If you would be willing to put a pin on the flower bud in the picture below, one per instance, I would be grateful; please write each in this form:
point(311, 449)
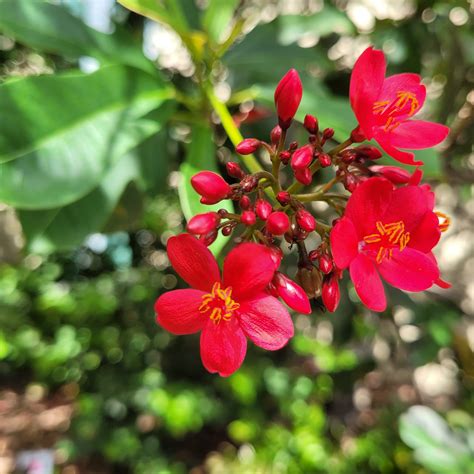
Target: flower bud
point(275, 135)
point(210, 186)
point(249, 183)
point(328, 133)
point(283, 197)
point(331, 294)
point(278, 223)
point(291, 293)
point(325, 264)
point(351, 182)
point(234, 170)
point(202, 224)
point(247, 146)
point(368, 152)
point(305, 220)
point(314, 255)
point(285, 157)
point(348, 156)
point(357, 135)
point(393, 173)
point(324, 160)
point(288, 95)
point(302, 157)
point(310, 281)
point(245, 203)
point(209, 238)
point(293, 146)
point(311, 124)
point(304, 176)
point(227, 230)
point(263, 209)
point(248, 218)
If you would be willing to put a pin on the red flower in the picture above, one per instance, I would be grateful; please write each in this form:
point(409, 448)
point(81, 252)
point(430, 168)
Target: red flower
point(211, 186)
point(389, 232)
point(226, 310)
point(287, 96)
point(383, 107)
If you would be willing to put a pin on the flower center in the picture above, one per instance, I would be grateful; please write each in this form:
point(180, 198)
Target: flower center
point(386, 238)
point(218, 304)
point(405, 103)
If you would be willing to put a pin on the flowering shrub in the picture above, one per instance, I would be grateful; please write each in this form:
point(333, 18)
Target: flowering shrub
point(384, 224)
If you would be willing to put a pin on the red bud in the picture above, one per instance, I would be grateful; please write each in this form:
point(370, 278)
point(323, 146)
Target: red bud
point(368, 152)
point(283, 197)
point(305, 220)
point(325, 264)
point(209, 238)
point(203, 223)
point(314, 255)
point(351, 182)
point(348, 156)
point(311, 124)
point(234, 170)
point(324, 160)
point(248, 218)
point(328, 133)
point(275, 135)
point(357, 135)
point(285, 157)
point(331, 294)
point(210, 186)
point(249, 183)
point(302, 157)
point(245, 202)
point(288, 95)
point(291, 293)
point(227, 230)
point(263, 209)
point(304, 176)
point(393, 173)
point(247, 146)
point(278, 223)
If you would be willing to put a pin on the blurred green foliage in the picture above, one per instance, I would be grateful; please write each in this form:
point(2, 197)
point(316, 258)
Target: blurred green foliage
point(86, 159)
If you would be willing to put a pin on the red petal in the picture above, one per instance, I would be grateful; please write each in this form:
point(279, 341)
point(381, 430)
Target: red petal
point(405, 82)
point(418, 134)
point(367, 283)
point(266, 322)
point(427, 234)
point(409, 205)
point(344, 243)
point(248, 269)
point(366, 83)
point(368, 203)
point(193, 261)
point(409, 270)
point(177, 311)
point(384, 140)
point(223, 347)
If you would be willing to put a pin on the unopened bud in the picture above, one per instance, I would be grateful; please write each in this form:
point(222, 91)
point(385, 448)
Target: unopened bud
point(203, 223)
point(393, 173)
point(331, 294)
point(287, 96)
point(275, 135)
point(285, 157)
point(314, 255)
point(291, 293)
point(245, 203)
point(351, 182)
point(278, 223)
point(209, 238)
point(293, 146)
point(348, 156)
point(283, 197)
point(325, 264)
point(310, 280)
point(210, 186)
point(368, 152)
point(311, 124)
point(234, 170)
point(302, 157)
point(304, 176)
point(324, 160)
point(248, 218)
point(248, 146)
point(305, 220)
point(227, 230)
point(328, 133)
point(263, 209)
point(249, 183)
point(357, 135)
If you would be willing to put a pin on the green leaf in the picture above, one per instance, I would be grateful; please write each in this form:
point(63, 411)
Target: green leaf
point(51, 28)
point(153, 9)
point(201, 156)
point(66, 228)
point(63, 132)
point(217, 17)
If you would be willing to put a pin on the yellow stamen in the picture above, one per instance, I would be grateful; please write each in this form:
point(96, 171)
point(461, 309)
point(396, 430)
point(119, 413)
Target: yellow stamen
point(218, 304)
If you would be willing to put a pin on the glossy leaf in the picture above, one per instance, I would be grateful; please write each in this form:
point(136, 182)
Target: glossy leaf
point(201, 156)
point(64, 131)
point(53, 29)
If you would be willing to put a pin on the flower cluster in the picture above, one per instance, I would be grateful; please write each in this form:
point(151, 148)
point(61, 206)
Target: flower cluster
point(384, 224)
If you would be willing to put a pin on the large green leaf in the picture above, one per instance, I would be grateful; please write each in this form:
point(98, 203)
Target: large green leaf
point(66, 228)
point(51, 28)
point(63, 132)
point(201, 156)
point(217, 17)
